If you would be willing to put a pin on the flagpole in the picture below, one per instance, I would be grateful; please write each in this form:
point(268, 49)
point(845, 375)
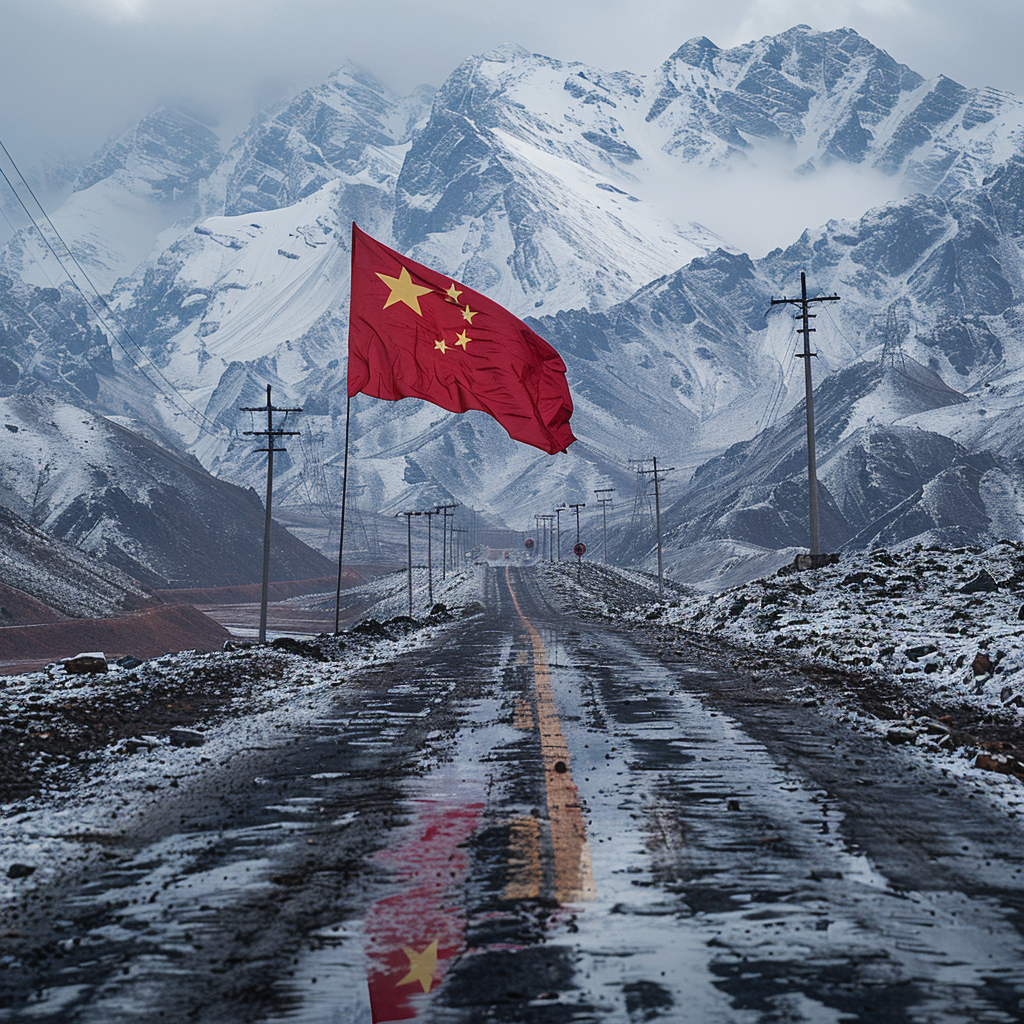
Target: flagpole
point(344, 471)
point(344, 491)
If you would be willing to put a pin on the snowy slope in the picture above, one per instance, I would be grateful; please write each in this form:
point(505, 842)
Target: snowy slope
point(138, 186)
point(155, 514)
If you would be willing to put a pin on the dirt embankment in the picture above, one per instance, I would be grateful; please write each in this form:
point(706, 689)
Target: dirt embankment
point(144, 634)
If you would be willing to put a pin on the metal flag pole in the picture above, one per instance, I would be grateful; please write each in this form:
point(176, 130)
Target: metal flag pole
point(344, 472)
point(344, 493)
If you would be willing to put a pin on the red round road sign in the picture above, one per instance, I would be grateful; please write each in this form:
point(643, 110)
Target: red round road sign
point(579, 549)
point(528, 543)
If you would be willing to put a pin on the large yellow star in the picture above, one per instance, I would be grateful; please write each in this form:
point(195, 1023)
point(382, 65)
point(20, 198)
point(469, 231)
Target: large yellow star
point(403, 290)
point(468, 314)
point(453, 293)
point(463, 340)
point(421, 966)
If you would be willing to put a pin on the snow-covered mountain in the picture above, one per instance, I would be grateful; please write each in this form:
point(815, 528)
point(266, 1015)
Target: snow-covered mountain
point(153, 513)
point(571, 195)
point(137, 186)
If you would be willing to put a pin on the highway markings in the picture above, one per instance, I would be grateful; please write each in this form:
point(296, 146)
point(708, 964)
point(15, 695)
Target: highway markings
point(525, 872)
point(522, 715)
point(574, 876)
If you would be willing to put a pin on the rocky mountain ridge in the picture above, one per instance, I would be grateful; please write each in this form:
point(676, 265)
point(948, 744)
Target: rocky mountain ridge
point(544, 183)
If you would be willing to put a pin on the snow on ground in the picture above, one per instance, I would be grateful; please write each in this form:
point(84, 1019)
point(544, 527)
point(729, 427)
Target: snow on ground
point(77, 763)
point(921, 646)
point(944, 623)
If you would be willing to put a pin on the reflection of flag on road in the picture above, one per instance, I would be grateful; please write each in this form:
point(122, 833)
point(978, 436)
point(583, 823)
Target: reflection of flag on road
point(411, 936)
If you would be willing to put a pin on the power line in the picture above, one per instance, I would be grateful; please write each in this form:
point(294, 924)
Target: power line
point(211, 426)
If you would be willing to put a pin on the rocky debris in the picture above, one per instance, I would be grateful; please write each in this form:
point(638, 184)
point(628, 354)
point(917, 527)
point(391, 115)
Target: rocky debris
point(302, 648)
point(20, 871)
point(1004, 764)
point(86, 664)
point(921, 616)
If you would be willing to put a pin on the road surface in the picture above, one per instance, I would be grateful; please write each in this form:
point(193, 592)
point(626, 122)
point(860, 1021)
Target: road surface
point(544, 818)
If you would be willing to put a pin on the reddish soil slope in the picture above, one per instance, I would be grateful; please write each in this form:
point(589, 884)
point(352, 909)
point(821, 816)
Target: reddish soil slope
point(18, 609)
point(145, 634)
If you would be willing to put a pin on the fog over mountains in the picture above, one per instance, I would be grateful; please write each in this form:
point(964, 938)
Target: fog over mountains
point(561, 191)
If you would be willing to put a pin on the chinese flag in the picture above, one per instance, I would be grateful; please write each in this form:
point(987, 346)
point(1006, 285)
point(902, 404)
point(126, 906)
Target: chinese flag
point(414, 333)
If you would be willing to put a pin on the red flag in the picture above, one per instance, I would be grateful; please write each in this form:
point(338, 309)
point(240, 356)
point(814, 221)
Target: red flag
point(414, 333)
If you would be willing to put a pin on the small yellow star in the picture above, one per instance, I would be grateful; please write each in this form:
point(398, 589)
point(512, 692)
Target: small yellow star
point(468, 314)
point(421, 966)
point(462, 340)
point(453, 293)
point(403, 290)
point(440, 345)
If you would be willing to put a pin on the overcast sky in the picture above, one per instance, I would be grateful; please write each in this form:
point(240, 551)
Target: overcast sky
point(74, 72)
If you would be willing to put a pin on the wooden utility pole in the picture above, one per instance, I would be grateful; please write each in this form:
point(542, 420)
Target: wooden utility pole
point(445, 511)
point(547, 520)
point(408, 536)
point(812, 471)
point(430, 559)
point(272, 434)
point(657, 474)
point(558, 524)
point(604, 499)
point(576, 550)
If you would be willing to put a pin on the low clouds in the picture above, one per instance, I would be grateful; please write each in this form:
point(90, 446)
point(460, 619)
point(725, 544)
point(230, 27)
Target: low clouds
point(76, 72)
point(80, 69)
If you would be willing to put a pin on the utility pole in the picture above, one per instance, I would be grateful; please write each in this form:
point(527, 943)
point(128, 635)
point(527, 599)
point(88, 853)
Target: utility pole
point(445, 513)
point(462, 533)
point(806, 330)
point(558, 519)
point(408, 534)
point(657, 474)
point(430, 559)
point(576, 550)
point(604, 499)
point(546, 520)
point(272, 434)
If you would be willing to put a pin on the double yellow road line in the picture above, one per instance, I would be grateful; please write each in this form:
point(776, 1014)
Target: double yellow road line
point(573, 874)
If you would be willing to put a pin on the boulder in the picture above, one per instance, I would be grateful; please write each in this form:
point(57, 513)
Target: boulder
point(186, 738)
point(85, 664)
point(980, 584)
point(901, 734)
point(982, 665)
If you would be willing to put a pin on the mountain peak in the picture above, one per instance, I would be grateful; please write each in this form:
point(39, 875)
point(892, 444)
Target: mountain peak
point(506, 53)
point(699, 51)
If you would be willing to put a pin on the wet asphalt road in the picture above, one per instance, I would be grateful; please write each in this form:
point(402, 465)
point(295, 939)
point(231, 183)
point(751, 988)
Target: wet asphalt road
point(543, 819)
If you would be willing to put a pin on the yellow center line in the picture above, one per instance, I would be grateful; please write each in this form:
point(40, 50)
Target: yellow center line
point(574, 876)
